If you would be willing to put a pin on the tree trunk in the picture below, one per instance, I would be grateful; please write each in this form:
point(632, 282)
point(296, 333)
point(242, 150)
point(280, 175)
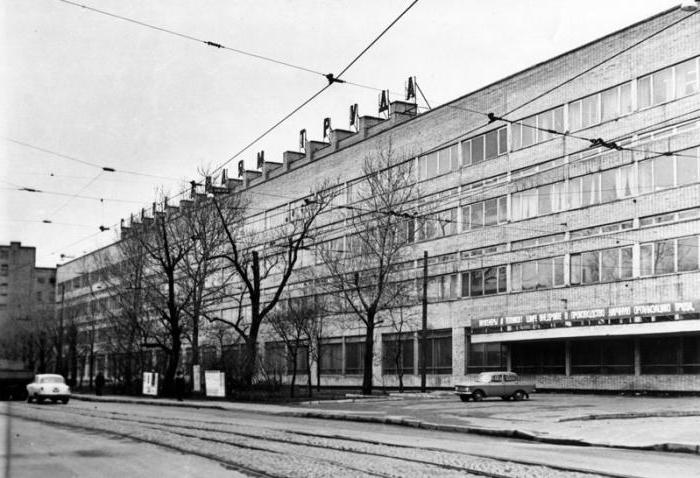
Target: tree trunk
point(195, 342)
point(173, 362)
point(369, 356)
point(318, 364)
point(310, 388)
point(294, 373)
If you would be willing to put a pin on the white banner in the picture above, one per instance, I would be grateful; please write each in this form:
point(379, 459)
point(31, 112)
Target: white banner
point(196, 378)
point(215, 383)
point(150, 383)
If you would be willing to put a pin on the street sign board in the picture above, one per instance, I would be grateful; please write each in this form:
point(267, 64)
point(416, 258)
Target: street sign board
point(215, 383)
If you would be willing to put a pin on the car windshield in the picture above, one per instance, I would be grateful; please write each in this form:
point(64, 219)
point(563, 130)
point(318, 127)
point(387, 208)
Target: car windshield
point(52, 379)
point(484, 377)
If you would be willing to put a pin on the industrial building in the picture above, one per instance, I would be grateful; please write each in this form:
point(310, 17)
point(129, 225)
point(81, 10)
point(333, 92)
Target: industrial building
point(569, 200)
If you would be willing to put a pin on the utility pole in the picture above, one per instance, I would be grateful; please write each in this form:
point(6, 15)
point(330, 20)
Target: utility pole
point(59, 351)
point(424, 325)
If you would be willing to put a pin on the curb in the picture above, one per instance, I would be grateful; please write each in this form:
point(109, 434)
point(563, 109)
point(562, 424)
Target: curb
point(408, 421)
point(628, 415)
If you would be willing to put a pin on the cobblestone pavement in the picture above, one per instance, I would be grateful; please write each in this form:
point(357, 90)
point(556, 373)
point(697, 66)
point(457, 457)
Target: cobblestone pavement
point(278, 446)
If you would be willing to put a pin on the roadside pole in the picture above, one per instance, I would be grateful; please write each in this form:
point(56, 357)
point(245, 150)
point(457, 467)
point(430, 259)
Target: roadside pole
point(424, 325)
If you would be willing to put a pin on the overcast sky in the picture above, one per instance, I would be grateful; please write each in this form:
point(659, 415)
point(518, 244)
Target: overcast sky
point(108, 92)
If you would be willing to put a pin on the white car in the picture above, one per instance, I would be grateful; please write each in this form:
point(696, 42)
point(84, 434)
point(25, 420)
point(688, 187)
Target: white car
point(48, 386)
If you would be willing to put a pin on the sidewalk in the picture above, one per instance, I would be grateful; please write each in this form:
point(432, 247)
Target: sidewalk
point(655, 423)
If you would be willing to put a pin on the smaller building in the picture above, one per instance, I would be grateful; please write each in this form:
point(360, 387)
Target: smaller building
point(27, 293)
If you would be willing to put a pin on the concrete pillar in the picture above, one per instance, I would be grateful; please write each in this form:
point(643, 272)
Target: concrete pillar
point(377, 362)
point(567, 358)
point(507, 349)
point(459, 351)
point(637, 358)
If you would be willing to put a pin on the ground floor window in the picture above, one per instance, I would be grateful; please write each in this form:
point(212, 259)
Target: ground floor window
point(602, 356)
point(397, 353)
point(332, 356)
point(670, 355)
point(438, 351)
point(485, 357)
point(354, 355)
point(539, 357)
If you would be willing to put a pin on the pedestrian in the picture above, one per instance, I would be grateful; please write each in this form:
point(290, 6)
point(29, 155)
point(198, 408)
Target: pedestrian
point(179, 386)
point(99, 383)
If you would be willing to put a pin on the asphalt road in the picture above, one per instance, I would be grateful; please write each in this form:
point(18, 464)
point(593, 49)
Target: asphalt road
point(91, 439)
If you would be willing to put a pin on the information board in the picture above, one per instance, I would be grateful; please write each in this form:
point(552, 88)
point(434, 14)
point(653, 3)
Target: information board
point(215, 383)
point(150, 383)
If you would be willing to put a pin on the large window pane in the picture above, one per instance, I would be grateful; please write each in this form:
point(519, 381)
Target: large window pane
point(609, 104)
point(646, 177)
point(466, 214)
point(491, 212)
point(609, 265)
point(477, 215)
point(516, 282)
point(516, 136)
point(687, 168)
point(575, 269)
point(502, 140)
point(444, 164)
point(529, 275)
point(546, 122)
point(477, 283)
point(644, 92)
point(659, 355)
point(502, 209)
point(662, 82)
point(626, 184)
point(491, 144)
point(664, 257)
point(590, 189)
point(544, 274)
point(589, 267)
point(625, 98)
point(559, 119)
point(663, 172)
point(544, 203)
point(590, 113)
point(529, 131)
point(626, 263)
point(502, 279)
point(574, 194)
point(465, 284)
point(646, 259)
point(490, 280)
point(477, 149)
point(609, 185)
point(431, 165)
point(575, 116)
point(466, 153)
point(558, 263)
point(686, 78)
point(688, 253)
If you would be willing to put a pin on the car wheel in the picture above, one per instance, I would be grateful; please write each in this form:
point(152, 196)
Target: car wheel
point(464, 398)
point(39, 399)
point(29, 399)
point(478, 396)
point(65, 400)
point(518, 395)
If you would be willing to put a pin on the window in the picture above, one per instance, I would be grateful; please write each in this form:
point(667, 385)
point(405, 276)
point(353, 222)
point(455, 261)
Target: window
point(660, 355)
point(332, 357)
point(438, 163)
point(537, 241)
point(659, 87)
point(687, 78)
point(485, 213)
point(438, 353)
point(442, 287)
point(397, 353)
point(524, 204)
point(540, 274)
point(3, 270)
point(602, 357)
point(538, 358)
point(485, 357)
point(531, 130)
point(488, 281)
point(354, 355)
point(660, 257)
point(484, 147)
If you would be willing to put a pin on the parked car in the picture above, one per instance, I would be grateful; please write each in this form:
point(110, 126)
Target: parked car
point(48, 386)
point(506, 385)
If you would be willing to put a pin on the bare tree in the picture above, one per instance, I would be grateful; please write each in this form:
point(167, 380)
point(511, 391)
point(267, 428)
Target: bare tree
point(379, 229)
point(292, 321)
point(260, 281)
point(152, 255)
point(204, 280)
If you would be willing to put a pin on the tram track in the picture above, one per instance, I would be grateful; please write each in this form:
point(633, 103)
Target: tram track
point(308, 445)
